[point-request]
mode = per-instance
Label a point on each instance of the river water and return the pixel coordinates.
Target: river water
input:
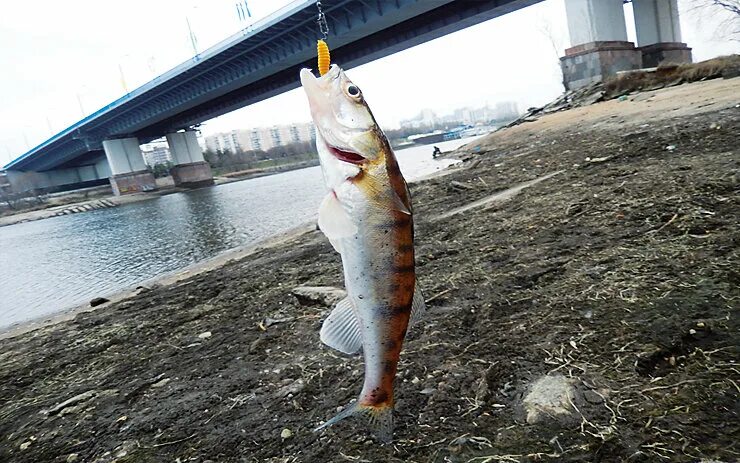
(53, 264)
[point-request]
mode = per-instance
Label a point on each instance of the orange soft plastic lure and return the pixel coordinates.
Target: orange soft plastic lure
(324, 60)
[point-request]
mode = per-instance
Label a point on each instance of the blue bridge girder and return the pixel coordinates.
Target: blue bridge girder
(262, 61)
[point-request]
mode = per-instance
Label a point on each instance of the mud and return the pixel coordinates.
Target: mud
(620, 273)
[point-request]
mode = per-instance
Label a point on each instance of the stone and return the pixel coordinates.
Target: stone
(593, 397)
(635, 135)
(549, 397)
(98, 301)
(324, 295)
(205, 335)
(72, 457)
(161, 383)
(71, 402)
(455, 185)
(286, 433)
(731, 73)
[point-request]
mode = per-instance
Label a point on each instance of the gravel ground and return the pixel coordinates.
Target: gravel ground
(591, 316)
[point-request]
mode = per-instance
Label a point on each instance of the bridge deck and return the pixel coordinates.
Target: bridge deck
(259, 62)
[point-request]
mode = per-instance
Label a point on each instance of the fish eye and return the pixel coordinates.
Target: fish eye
(353, 90)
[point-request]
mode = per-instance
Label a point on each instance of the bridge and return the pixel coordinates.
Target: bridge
(256, 63)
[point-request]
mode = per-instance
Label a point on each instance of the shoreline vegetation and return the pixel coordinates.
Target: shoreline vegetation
(580, 270)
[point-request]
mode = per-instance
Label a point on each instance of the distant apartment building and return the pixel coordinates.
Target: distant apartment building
(425, 118)
(261, 138)
(156, 153)
(506, 110)
(228, 141)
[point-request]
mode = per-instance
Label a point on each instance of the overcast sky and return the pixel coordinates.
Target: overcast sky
(61, 60)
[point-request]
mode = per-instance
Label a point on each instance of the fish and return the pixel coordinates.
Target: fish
(368, 218)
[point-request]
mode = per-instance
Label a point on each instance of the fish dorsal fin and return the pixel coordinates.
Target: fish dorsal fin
(418, 306)
(341, 330)
(334, 220)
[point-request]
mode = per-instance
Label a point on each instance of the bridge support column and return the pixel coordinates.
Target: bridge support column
(191, 170)
(599, 42)
(129, 173)
(659, 32)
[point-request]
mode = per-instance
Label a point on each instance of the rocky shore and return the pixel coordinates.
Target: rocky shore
(581, 273)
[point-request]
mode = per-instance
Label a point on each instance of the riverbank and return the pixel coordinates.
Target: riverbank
(617, 276)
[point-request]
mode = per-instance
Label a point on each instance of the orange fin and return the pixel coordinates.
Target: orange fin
(379, 419)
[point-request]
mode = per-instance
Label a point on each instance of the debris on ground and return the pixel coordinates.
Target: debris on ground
(613, 285)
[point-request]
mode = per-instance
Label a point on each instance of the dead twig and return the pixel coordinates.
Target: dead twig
(675, 216)
(440, 294)
(657, 388)
(172, 442)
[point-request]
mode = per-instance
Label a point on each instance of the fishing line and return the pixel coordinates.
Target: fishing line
(322, 49)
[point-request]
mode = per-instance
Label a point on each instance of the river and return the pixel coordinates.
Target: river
(53, 264)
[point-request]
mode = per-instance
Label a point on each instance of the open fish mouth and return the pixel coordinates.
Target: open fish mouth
(345, 156)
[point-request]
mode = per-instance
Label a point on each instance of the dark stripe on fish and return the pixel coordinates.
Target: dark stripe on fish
(403, 268)
(399, 222)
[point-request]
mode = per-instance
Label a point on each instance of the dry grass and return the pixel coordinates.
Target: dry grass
(670, 74)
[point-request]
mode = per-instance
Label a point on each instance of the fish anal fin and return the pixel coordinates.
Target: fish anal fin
(341, 329)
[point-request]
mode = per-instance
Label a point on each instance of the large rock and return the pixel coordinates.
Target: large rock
(325, 295)
(550, 397)
(98, 301)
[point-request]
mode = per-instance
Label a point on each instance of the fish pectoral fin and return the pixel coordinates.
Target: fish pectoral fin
(334, 221)
(384, 199)
(341, 330)
(398, 204)
(336, 244)
(418, 306)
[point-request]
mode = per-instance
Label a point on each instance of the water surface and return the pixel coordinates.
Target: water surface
(49, 265)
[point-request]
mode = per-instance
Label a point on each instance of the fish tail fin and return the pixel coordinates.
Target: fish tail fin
(379, 419)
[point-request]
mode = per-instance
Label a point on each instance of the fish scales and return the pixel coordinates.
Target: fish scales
(367, 216)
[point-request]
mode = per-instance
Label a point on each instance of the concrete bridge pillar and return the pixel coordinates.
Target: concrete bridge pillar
(191, 170)
(599, 42)
(659, 32)
(129, 173)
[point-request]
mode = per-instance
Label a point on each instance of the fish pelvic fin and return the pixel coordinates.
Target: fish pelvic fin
(379, 419)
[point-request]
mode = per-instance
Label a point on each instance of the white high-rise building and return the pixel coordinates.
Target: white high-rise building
(156, 153)
(506, 110)
(261, 138)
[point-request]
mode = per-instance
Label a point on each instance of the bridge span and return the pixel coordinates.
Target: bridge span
(264, 59)
(258, 62)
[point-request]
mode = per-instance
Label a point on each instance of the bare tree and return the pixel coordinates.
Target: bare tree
(730, 25)
(733, 6)
(545, 27)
